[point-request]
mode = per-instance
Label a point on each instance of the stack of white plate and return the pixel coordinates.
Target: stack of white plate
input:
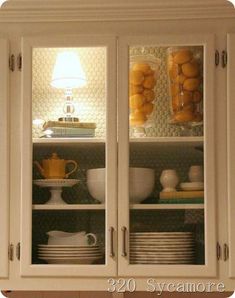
(69, 254)
(162, 248)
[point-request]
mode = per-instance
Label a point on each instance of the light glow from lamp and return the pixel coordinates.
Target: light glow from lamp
(68, 72)
(2, 2)
(38, 122)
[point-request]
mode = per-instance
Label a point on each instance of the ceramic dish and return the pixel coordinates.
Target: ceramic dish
(69, 255)
(144, 244)
(139, 262)
(162, 233)
(141, 182)
(183, 249)
(168, 256)
(69, 249)
(68, 246)
(73, 260)
(56, 182)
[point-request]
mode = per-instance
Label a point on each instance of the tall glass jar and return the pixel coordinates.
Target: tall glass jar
(185, 75)
(143, 76)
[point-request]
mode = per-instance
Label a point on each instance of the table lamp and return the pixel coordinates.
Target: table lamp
(68, 74)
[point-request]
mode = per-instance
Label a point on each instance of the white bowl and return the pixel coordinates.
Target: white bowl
(141, 183)
(96, 174)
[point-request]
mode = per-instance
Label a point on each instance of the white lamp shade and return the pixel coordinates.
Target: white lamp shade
(68, 72)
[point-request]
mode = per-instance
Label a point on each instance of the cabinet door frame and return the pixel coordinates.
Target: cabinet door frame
(230, 151)
(210, 268)
(4, 158)
(28, 43)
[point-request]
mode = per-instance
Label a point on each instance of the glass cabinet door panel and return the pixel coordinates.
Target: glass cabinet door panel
(70, 159)
(165, 235)
(4, 157)
(167, 161)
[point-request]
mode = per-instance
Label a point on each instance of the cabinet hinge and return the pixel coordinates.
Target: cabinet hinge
(12, 63)
(19, 62)
(217, 58)
(11, 252)
(224, 59)
(18, 251)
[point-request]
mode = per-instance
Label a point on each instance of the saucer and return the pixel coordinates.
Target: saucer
(192, 186)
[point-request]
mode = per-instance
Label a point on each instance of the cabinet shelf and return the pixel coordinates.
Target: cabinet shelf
(67, 140)
(171, 140)
(132, 206)
(70, 207)
(165, 206)
(186, 141)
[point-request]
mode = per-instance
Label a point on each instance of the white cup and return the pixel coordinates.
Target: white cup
(169, 180)
(196, 174)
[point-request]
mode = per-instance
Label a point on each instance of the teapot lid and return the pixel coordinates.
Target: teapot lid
(54, 156)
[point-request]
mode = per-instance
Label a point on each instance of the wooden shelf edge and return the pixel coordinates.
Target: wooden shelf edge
(67, 140)
(165, 206)
(132, 206)
(69, 207)
(168, 140)
(153, 140)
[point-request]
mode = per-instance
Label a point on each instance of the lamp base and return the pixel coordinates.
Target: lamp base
(69, 119)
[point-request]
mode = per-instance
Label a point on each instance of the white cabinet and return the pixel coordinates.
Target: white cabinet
(70, 214)
(4, 156)
(107, 47)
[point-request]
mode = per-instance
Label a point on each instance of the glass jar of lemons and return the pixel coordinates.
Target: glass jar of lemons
(185, 75)
(142, 96)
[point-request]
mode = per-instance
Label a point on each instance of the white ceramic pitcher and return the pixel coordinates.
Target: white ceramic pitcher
(65, 238)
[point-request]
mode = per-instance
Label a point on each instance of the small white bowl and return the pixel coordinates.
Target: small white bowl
(142, 182)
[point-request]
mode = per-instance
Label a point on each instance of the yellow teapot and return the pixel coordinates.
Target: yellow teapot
(55, 168)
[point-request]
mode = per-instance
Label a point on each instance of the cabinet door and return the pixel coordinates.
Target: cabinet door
(69, 164)
(4, 156)
(166, 146)
(231, 148)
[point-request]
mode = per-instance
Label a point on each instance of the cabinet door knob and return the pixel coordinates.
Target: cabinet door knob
(124, 253)
(111, 231)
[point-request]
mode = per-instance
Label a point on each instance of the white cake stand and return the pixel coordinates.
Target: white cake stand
(56, 186)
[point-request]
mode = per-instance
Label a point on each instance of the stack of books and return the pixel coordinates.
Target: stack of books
(181, 197)
(62, 129)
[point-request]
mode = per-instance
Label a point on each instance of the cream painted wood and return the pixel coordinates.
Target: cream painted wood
(4, 158)
(220, 26)
(210, 268)
(82, 10)
(143, 294)
(231, 152)
(95, 295)
(69, 207)
(70, 141)
(165, 206)
(26, 268)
